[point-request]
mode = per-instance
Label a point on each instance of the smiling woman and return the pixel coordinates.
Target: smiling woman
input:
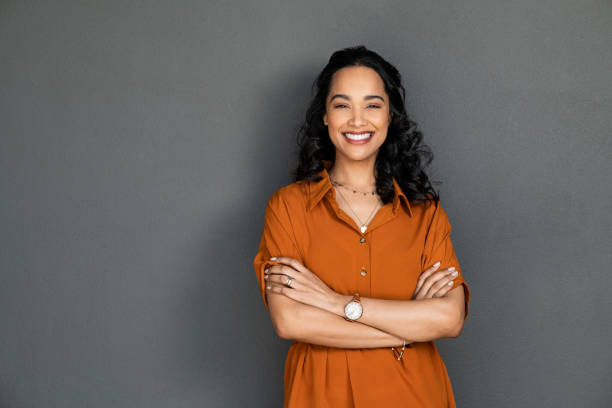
(355, 262)
(358, 118)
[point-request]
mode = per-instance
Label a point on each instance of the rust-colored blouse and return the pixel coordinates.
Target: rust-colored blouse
(304, 221)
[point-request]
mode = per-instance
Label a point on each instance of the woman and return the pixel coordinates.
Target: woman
(355, 262)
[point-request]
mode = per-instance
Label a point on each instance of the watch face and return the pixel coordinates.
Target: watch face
(353, 310)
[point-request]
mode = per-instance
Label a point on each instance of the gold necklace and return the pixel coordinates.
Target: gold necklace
(355, 191)
(364, 226)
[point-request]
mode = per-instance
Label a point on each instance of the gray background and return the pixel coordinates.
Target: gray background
(141, 140)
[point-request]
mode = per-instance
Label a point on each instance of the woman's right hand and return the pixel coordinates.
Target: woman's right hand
(434, 283)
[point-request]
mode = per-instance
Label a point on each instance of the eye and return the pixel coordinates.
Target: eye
(375, 106)
(339, 106)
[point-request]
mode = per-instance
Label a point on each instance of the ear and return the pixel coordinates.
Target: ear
(325, 119)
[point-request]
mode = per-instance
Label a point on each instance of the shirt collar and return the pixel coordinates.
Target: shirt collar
(318, 189)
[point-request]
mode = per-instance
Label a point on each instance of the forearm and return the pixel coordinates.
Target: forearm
(313, 325)
(414, 320)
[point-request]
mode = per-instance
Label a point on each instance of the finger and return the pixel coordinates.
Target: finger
(444, 290)
(294, 263)
(426, 274)
(296, 268)
(278, 289)
(282, 280)
(445, 282)
(434, 282)
(291, 293)
(435, 277)
(273, 287)
(280, 273)
(281, 270)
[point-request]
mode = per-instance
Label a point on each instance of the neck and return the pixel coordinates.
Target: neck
(358, 174)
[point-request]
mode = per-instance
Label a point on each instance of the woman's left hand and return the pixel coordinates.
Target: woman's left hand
(305, 287)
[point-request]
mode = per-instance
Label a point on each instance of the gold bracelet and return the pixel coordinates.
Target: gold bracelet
(399, 355)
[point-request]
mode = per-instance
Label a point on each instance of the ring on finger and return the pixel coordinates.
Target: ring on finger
(288, 282)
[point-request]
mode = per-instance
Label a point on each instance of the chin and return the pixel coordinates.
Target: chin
(360, 152)
(360, 157)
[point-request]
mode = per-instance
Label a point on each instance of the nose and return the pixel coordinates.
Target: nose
(357, 118)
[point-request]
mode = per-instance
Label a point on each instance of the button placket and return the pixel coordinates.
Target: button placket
(362, 240)
(364, 256)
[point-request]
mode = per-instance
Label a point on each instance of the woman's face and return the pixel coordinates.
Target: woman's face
(357, 112)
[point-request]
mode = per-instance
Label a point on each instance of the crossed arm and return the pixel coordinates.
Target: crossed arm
(309, 324)
(384, 323)
(312, 312)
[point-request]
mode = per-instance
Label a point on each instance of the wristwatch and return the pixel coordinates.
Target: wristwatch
(353, 309)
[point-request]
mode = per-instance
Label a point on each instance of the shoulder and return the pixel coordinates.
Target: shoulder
(426, 207)
(286, 209)
(291, 197)
(429, 210)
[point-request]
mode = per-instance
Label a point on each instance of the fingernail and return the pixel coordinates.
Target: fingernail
(268, 287)
(450, 283)
(266, 270)
(454, 273)
(452, 268)
(273, 258)
(266, 277)
(437, 264)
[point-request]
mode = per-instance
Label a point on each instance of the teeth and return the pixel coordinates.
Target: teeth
(357, 137)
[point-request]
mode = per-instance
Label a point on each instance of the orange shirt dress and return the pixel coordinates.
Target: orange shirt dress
(304, 221)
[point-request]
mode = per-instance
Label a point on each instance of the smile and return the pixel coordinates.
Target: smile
(358, 137)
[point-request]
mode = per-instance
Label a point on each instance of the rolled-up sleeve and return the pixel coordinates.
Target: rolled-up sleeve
(277, 239)
(439, 247)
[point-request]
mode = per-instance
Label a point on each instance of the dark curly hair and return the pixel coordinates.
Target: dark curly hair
(403, 155)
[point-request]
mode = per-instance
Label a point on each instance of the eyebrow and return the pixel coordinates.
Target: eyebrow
(367, 97)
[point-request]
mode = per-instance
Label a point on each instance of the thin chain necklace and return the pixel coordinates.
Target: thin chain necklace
(364, 226)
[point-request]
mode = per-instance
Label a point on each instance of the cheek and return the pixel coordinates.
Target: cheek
(380, 138)
(336, 117)
(380, 118)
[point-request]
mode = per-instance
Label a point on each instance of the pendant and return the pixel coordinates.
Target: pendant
(363, 228)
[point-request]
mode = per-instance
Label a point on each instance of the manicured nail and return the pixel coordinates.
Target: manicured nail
(436, 264)
(450, 283)
(266, 277)
(273, 258)
(454, 273)
(268, 287)
(452, 268)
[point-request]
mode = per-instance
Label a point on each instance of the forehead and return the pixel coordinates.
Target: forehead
(357, 80)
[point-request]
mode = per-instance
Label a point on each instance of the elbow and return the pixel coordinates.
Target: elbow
(281, 326)
(282, 329)
(288, 327)
(456, 329)
(283, 319)
(453, 324)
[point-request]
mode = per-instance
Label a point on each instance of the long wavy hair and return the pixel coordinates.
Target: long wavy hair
(403, 155)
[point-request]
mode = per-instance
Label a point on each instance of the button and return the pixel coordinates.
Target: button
(363, 272)
(362, 240)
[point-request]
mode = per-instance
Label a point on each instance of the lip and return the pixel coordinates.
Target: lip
(364, 141)
(358, 132)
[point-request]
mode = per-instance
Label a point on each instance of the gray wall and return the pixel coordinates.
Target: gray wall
(140, 141)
